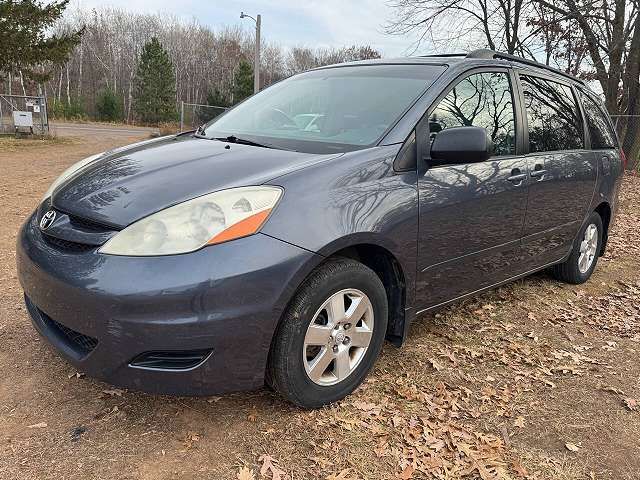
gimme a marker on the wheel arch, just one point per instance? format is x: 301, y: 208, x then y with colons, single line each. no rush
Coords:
x: 392, y: 274
x: 604, y: 210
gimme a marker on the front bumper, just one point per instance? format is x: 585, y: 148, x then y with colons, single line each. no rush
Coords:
x: 226, y: 299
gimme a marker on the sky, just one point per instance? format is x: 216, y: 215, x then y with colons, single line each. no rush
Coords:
x: 311, y: 23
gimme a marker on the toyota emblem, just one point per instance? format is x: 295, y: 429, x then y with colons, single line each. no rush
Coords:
x: 47, y: 219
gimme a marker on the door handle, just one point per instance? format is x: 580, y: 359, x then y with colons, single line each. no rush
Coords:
x: 517, y: 177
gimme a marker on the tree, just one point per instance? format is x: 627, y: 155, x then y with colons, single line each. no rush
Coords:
x: 610, y: 34
x: 27, y: 48
x: 109, y: 106
x: 155, y: 95
x: 596, y: 40
x: 498, y: 24
x: 242, y: 82
x: 208, y: 112
x: 215, y: 98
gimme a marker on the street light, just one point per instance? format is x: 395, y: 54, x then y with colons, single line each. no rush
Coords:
x: 256, y: 60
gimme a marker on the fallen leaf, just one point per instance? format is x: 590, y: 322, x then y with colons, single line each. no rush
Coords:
x: 341, y: 476
x: 572, y: 447
x: 631, y: 403
x: 519, y: 422
x: 116, y: 392
x: 613, y: 390
x: 38, y: 425
x: 519, y: 469
x: 435, y: 364
x: 370, y: 408
x: 245, y: 474
x: 407, y: 473
x: 269, y: 464
x: 214, y: 399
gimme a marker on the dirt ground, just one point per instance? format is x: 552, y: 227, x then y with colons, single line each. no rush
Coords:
x: 534, y: 380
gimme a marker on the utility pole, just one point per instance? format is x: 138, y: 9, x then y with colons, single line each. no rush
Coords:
x: 256, y: 59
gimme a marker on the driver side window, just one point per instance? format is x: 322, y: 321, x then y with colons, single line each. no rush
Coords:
x: 480, y: 100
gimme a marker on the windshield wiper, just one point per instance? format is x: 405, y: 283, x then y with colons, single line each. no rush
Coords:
x: 243, y: 141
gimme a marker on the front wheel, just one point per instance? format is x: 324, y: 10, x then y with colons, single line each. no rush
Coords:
x: 330, y: 335
x: 584, y: 256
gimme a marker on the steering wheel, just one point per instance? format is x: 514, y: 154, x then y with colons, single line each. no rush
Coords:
x: 279, y: 118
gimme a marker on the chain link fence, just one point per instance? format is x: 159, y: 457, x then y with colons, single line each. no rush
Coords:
x: 625, y: 125
x: 192, y: 115
x: 23, y: 114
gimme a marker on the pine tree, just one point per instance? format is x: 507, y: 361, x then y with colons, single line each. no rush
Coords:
x: 109, y: 105
x: 242, y: 82
x: 216, y: 98
x: 155, y: 94
x: 26, y: 45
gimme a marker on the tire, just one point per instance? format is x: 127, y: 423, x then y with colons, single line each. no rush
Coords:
x: 296, y: 369
x: 572, y: 270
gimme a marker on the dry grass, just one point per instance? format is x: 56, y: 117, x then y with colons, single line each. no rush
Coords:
x: 10, y: 144
x: 169, y: 128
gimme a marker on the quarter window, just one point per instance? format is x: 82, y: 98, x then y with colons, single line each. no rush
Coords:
x: 480, y: 100
x: 602, y: 136
x: 553, y: 116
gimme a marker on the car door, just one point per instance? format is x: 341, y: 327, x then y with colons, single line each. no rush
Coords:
x: 562, y: 171
x: 471, y: 215
x: 602, y: 141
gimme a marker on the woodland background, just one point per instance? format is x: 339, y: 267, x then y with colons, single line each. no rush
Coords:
x: 597, y: 40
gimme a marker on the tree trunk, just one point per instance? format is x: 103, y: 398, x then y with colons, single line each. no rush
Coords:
x: 68, y: 87
x: 631, y: 96
x: 24, y: 91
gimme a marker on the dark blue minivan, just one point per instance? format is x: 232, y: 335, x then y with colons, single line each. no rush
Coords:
x: 285, y: 240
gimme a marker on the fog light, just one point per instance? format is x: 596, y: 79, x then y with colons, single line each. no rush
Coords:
x: 170, y: 360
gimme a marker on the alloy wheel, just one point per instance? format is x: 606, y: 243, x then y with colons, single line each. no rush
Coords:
x: 338, y: 337
x: 588, y: 248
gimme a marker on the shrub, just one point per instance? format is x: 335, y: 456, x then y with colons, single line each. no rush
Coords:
x: 109, y: 106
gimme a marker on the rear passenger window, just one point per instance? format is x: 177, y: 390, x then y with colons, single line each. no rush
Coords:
x: 600, y: 131
x: 480, y: 100
x: 553, y: 116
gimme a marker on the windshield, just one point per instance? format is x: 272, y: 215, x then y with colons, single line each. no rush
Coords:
x: 330, y: 110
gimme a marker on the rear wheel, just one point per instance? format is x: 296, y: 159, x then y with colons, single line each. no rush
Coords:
x: 330, y: 335
x: 584, y: 256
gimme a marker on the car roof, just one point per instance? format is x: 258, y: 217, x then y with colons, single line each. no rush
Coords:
x: 480, y: 57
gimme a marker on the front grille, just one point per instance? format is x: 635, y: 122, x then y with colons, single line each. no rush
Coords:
x: 67, y: 245
x: 90, y: 225
x: 81, y: 342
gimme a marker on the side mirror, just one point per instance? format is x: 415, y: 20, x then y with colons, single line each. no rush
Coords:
x: 461, y: 145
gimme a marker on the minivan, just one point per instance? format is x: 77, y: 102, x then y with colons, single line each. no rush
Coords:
x: 287, y: 239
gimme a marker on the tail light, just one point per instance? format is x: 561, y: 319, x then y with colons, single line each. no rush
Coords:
x: 623, y: 157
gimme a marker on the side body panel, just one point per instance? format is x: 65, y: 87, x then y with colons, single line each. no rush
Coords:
x: 470, y: 224
x: 471, y: 215
x: 355, y: 199
x: 561, y: 185
x: 558, y: 203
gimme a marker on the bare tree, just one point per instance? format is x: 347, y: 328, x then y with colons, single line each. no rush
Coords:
x: 495, y: 24
x: 610, y: 32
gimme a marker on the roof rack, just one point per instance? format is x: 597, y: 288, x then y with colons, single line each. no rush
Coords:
x: 485, y: 53
x: 435, y: 55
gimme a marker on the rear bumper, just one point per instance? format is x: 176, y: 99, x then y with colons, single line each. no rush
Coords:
x: 225, y: 300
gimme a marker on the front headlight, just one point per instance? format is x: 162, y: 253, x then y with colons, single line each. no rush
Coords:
x: 70, y: 171
x: 214, y: 218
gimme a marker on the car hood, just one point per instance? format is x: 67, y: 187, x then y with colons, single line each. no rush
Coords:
x: 130, y: 183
